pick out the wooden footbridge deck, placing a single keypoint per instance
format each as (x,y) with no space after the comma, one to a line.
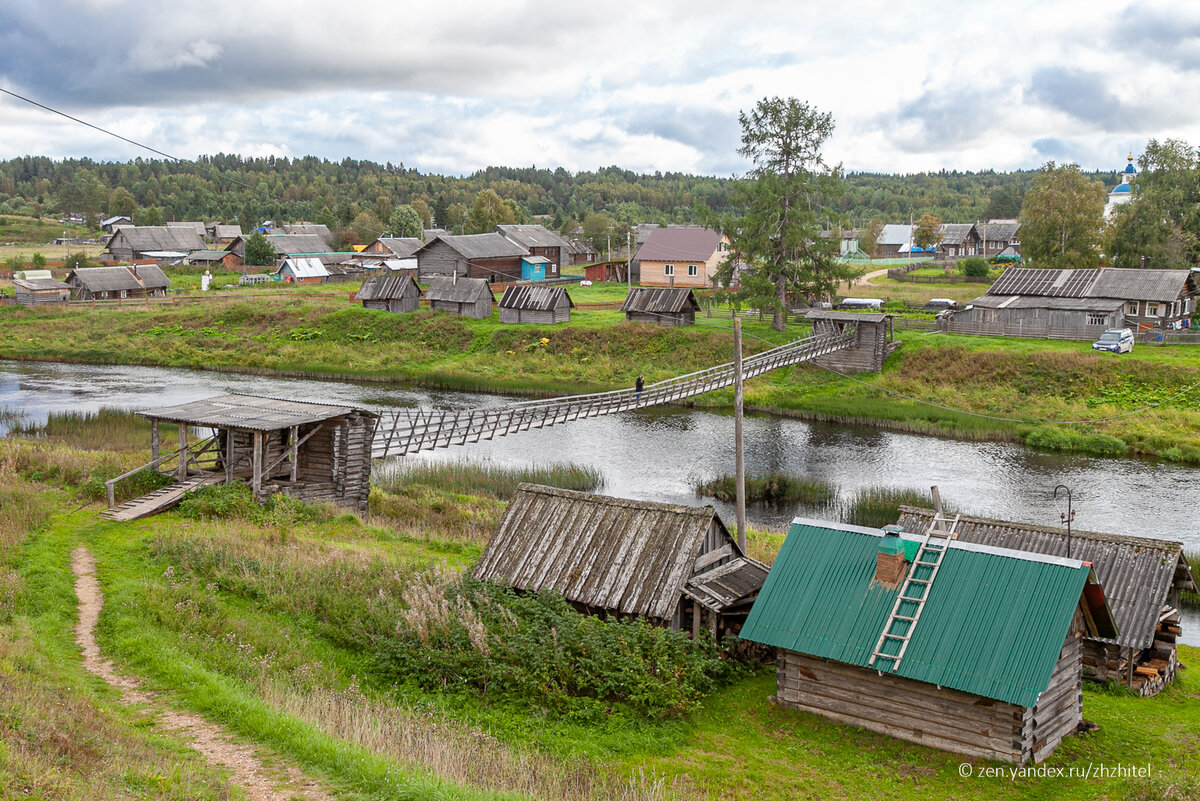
(411,430)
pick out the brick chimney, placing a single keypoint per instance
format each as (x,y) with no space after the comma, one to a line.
(890,565)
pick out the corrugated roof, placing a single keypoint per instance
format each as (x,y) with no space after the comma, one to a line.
(625,556)
(38,284)
(1137,573)
(1038,302)
(223,231)
(529,297)
(1000,231)
(309,267)
(157,237)
(1110,282)
(289,245)
(954,233)
(895,235)
(387,287)
(251,412)
(464,290)
(532,236)
(680,244)
(480,246)
(993,625)
(115,279)
(310,229)
(402,246)
(660,301)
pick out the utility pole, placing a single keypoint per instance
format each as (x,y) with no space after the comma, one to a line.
(628,263)
(1066,517)
(740,458)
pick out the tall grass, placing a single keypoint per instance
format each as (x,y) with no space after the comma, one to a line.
(1188,599)
(106,429)
(468,477)
(879,506)
(771,488)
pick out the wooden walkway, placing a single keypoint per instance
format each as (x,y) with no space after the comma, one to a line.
(411,430)
(160,500)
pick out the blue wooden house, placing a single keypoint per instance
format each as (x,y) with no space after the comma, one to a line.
(533,268)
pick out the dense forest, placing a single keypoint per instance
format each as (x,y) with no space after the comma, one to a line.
(250,190)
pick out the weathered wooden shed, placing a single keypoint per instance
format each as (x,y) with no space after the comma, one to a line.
(393,293)
(310,451)
(661,306)
(522,303)
(470,297)
(873,340)
(991,666)
(1141,577)
(487,256)
(38,291)
(124,281)
(676,566)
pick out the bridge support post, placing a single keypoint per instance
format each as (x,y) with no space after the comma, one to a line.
(181,472)
(739,458)
(256,474)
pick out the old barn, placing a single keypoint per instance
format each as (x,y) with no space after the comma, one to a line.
(37,291)
(874,339)
(125,281)
(661,306)
(487,256)
(676,566)
(310,451)
(469,297)
(986,661)
(522,303)
(394,293)
(1141,577)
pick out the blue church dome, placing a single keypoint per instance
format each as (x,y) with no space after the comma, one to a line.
(1129,168)
(1121,188)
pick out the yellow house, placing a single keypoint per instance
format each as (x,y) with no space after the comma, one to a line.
(682,257)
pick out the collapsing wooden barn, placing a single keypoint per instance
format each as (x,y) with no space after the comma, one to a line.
(522,303)
(962,647)
(676,566)
(1141,577)
(309,451)
(661,306)
(874,339)
(469,297)
(393,293)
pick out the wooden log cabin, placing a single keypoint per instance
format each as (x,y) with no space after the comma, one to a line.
(39,291)
(676,566)
(1142,578)
(487,256)
(309,451)
(991,666)
(393,293)
(522,303)
(469,297)
(661,307)
(874,340)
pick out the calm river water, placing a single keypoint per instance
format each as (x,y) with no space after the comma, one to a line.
(660,454)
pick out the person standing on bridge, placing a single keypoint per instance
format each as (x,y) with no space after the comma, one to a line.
(638,386)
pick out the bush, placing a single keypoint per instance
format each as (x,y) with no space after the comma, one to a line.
(974,266)
(771,488)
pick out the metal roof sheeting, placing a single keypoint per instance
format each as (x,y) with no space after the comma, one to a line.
(534,298)
(387,287)
(38,284)
(464,290)
(288,245)
(660,301)
(1034,302)
(994,623)
(141,238)
(1108,282)
(628,557)
(532,236)
(1137,574)
(402,246)
(251,412)
(954,233)
(304,267)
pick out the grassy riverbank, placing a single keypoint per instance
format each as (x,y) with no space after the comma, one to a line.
(967,387)
(288,624)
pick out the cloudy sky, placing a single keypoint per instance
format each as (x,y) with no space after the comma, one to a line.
(457,85)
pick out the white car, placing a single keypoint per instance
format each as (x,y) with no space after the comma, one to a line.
(1115,340)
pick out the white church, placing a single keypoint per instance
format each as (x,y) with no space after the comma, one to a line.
(1122,192)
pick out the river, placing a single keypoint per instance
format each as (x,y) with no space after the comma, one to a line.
(660,454)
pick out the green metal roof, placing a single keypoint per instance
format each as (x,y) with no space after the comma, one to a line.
(994,623)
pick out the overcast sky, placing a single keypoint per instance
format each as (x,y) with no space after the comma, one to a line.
(457,85)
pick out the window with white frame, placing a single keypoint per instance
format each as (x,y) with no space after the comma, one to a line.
(1096,318)
(693,269)
(1131,307)
(669,269)
(1151,309)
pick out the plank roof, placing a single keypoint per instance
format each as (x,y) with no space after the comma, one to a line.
(462,290)
(479,246)
(1137,573)
(680,244)
(1000,231)
(530,297)
(847,316)
(1038,302)
(993,625)
(648,300)
(252,412)
(387,287)
(1107,282)
(624,556)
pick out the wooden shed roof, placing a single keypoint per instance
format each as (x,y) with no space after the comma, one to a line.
(532,236)
(1137,573)
(462,290)
(402,246)
(660,301)
(121,277)
(387,287)
(1108,282)
(479,246)
(625,556)
(252,412)
(38,284)
(158,237)
(530,297)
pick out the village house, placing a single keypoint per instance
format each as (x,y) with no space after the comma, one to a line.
(311,229)
(1141,577)
(675,566)
(400,247)
(286,246)
(535,268)
(1078,304)
(661,306)
(393,293)
(999,237)
(487,256)
(894,240)
(137,242)
(983,660)
(302,270)
(38,291)
(582,253)
(469,297)
(112,223)
(957,240)
(222,234)
(522,303)
(539,241)
(684,257)
(122,281)
(223,259)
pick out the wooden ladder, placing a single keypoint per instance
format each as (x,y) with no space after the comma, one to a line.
(914,591)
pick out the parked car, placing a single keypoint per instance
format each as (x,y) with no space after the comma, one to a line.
(1115,340)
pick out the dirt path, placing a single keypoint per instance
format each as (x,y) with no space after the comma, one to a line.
(259,782)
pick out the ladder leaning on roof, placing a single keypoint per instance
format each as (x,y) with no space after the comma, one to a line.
(914,590)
